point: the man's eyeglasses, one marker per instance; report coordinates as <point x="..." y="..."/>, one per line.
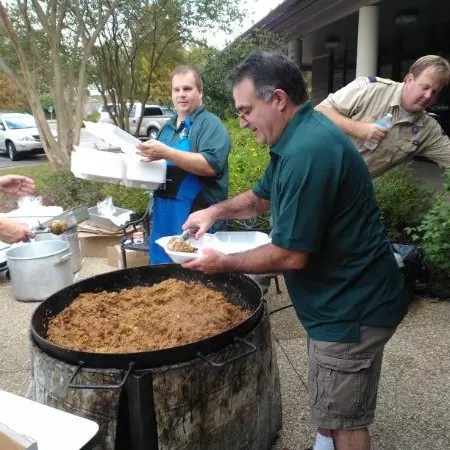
<point x="245" y="111"/>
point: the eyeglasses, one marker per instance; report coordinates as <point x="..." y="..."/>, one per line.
<point x="244" y="112"/>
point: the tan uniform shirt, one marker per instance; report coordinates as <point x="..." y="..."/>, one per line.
<point x="413" y="134"/>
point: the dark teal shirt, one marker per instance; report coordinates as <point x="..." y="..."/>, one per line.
<point x="209" y="137"/>
<point x="323" y="203"/>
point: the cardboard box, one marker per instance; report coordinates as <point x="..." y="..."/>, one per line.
<point x="134" y="258"/>
<point x="92" y="244"/>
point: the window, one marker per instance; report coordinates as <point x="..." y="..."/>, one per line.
<point x="152" y="111"/>
<point x="167" y="111"/>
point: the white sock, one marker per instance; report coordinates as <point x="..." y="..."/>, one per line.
<point x="323" y="442"/>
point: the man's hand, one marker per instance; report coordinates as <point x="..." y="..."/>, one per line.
<point x="16" y="185"/>
<point x="203" y="220"/>
<point x="210" y="261"/>
<point x="362" y="130"/>
<point x="372" y="132"/>
<point x="153" y="150"/>
<point x="12" y="231"/>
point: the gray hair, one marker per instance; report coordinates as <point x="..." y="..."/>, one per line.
<point x="270" y="71"/>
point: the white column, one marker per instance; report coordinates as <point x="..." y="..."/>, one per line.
<point x="367" y="51"/>
<point x="295" y="50"/>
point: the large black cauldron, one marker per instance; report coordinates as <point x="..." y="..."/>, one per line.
<point x="238" y="289"/>
<point x="199" y="395"/>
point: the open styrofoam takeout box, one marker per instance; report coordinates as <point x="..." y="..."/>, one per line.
<point x="224" y="241"/>
<point x="126" y="168"/>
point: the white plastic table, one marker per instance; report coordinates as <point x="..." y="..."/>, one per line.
<point x="51" y="428"/>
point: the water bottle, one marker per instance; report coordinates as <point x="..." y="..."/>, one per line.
<point x="385" y="122"/>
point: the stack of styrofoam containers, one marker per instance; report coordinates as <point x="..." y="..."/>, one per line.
<point x="126" y="168"/>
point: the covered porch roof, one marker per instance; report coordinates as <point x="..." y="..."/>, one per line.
<point x="297" y="18"/>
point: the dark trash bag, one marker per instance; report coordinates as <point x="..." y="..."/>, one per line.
<point x="415" y="270"/>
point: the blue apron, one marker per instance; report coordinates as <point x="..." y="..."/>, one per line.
<point x="181" y="196"/>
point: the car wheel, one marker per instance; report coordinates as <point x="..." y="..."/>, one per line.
<point x="12" y="152"/>
<point x="152" y="133"/>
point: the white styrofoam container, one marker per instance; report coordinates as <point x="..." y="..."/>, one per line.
<point x="97" y="165"/>
<point x="125" y="168"/>
<point x="138" y="172"/>
<point x="239" y="241"/>
<point x="224" y="241"/>
<point x="182" y="257"/>
<point x="113" y="135"/>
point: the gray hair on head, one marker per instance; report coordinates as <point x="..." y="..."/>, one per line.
<point x="270" y="71"/>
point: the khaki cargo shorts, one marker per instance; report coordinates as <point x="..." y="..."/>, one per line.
<point x="343" y="379"/>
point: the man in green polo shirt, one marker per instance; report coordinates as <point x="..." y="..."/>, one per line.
<point x="327" y="239"/>
<point x="195" y="144"/>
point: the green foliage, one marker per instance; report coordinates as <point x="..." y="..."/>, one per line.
<point x="93" y="117"/>
<point x="46" y="100"/>
<point x="433" y="234"/>
<point x="63" y="189"/>
<point x="247" y="159"/>
<point x="215" y="68"/>
<point x="403" y="202"/>
<point x="129" y="198"/>
<point x="60" y="187"/>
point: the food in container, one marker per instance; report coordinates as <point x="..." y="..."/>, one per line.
<point x="144" y="318"/>
<point x="177" y="244"/>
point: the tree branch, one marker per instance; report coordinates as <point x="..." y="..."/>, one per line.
<point x="10" y="74"/>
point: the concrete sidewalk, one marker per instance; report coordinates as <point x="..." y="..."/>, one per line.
<point x="414" y="398"/>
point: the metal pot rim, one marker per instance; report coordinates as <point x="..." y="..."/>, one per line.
<point x="64" y="248"/>
<point x="249" y="290"/>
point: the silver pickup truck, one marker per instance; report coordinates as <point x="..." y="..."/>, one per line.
<point x="155" y="117"/>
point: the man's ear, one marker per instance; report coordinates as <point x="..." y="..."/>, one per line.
<point x="281" y="99"/>
<point x="408" y="78"/>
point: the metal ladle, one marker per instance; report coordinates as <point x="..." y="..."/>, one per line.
<point x="188" y="233"/>
<point x="57" y="227"/>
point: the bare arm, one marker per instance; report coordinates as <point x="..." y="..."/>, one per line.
<point x="355" y="128"/>
<point x="265" y="259"/>
<point x="192" y="162"/>
<point x="243" y="206"/>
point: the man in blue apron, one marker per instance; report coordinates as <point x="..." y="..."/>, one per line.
<point x="195" y="145"/>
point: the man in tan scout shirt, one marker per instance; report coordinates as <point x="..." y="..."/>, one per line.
<point x="357" y="106"/>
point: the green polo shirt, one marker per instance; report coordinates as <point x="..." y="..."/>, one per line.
<point x="210" y="138"/>
<point x="323" y="203"/>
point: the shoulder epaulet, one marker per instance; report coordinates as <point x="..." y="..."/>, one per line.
<point x="374" y="79"/>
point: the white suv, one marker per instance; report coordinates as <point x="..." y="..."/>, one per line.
<point x="19" y="134"/>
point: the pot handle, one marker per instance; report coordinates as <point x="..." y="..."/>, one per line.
<point x="252" y="349"/>
<point x="63" y="259"/>
<point x="99" y="386"/>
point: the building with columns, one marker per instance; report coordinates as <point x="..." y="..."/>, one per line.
<point x="338" y="40"/>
